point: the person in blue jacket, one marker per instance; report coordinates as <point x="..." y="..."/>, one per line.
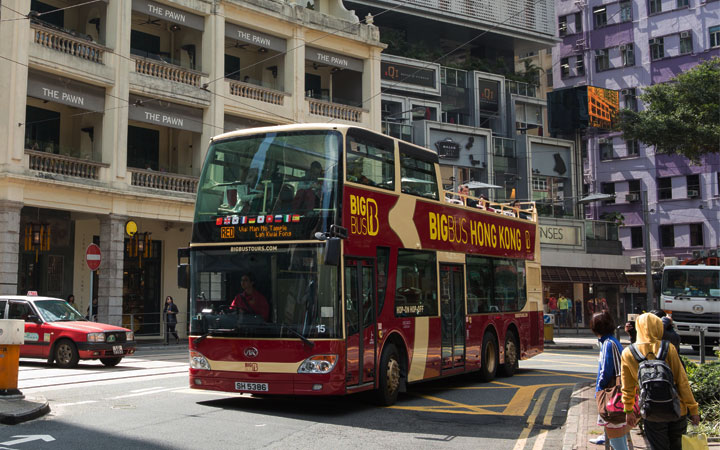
<point x="603" y="325"/>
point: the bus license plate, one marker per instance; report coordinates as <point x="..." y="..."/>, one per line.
<point x="255" y="387"/>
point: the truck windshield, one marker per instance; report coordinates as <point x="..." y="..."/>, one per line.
<point x="57" y="311"/>
<point x="266" y="291"/>
<point x="691" y="283"/>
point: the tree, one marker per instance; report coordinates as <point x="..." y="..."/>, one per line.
<point x="682" y="116"/>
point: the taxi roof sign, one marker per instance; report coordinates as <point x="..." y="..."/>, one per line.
<point x="32" y="293"/>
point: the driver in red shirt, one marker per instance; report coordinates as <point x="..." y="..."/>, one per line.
<point x="250" y="300"/>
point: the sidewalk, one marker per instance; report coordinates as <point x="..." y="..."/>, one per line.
<point x="581" y="338"/>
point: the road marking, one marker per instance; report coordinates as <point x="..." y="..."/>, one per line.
<point x="540" y="440"/>
<point x="29" y="438"/>
<point x="499" y="383"/>
<point x="146" y="392"/>
<point x="475" y="409"/>
<point x="148" y="389"/>
<point x="563" y="374"/>
<point x="76" y="403"/>
<point x="551" y="407"/>
<point x="522" y="440"/>
<point x="522" y="398"/>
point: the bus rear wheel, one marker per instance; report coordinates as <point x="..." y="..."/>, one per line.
<point x="389" y="382"/>
<point x="489" y="357"/>
<point x="512" y="355"/>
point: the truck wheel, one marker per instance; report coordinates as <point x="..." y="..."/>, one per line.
<point x="489" y="357"/>
<point x="389" y="381"/>
<point x="111" y="362"/>
<point x="66" y="354"/>
<point x="512" y="355"/>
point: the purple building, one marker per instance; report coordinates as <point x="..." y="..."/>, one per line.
<point x="626" y="46"/>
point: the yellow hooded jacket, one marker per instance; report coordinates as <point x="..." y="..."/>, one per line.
<point x="649" y="335"/>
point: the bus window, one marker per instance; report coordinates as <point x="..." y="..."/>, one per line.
<point x="370" y="160"/>
<point x="417" y="173"/>
<point x="495" y="285"/>
<point x="416" y="284"/>
<point x="480" y="285"/>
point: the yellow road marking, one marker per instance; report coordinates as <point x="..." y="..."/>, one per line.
<point x="561" y="374"/>
<point x="522" y="398"/>
<point x="499" y="383"/>
<point x="551" y="407"/>
<point x="522" y="440"/>
<point x="478" y="409"/>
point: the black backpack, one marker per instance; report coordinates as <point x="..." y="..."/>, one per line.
<point x="659" y="400"/>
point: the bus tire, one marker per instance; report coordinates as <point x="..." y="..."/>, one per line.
<point x="389" y="381"/>
<point x="512" y="355"/>
<point x="489" y="357"/>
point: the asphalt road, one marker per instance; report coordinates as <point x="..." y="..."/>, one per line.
<point x="145" y="403"/>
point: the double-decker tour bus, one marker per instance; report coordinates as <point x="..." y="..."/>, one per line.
<point x="690" y="293"/>
<point x="327" y="259"/>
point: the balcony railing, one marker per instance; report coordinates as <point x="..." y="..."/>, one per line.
<point x="524" y="89"/>
<point x="64" y="165"/>
<point x="256" y="92"/>
<point x="335" y="110"/>
<point x="66" y="43"/>
<point x="163" y="180"/>
<point x="167" y="71"/>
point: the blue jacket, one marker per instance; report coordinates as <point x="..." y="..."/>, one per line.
<point x="606" y="367"/>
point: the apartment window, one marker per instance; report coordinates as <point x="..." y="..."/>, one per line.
<point x="636" y="237"/>
<point x="664" y="188"/>
<point x="667" y="236"/>
<point x="633" y="148"/>
<point x="602" y="61"/>
<point x="600" y="16"/>
<point x="549" y="78"/>
<point x="627" y="53"/>
<point x="683" y="3"/>
<point x="714" y="36"/>
<point x="693" y="186"/>
<point x="625" y="11"/>
<point x="578" y="22"/>
<point x="655" y="6"/>
<point x="686" y="46"/>
<point x="580" y="64"/>
<point x="629" y="97"/>
<point x="696" y="235"/>
<point x="608" y="188"/>
<point x="564" y="68"/>
<point x="657" y="48"/>
<point x="562" y="26"/>
<point x="634" y="187"/>
<point x="606" y="149"/>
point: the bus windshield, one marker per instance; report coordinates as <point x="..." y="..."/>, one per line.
<point x="283" y="181"/>
<point x="692" y="283"/>
<point x="266" y="291"/>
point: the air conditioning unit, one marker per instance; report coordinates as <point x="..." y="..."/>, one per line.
<point x="637" y="260"/>
<point x="713" y="253"/>
<point x="633" y="197"/>
<point x="684" y="34"/>
<point x="656" y="265"/>
<point x="670" y="261"/>
<point x="653" y="41"/>
<point x="626" y="91"/>
<point x="693" y="193"/>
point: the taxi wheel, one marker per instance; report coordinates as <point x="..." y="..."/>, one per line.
<point x="111" y="362"/>
<point x="389" y="381"/>
<point x="512" y="355"/>
<point x="490" y="357"/>
<point x="66" y="354"/>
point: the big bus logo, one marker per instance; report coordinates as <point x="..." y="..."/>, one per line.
<point x="363" y="216"/>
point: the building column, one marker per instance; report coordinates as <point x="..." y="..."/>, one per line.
<point x="9" y="245"/>
<point x="110" y="279"/>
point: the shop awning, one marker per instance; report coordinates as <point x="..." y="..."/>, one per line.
<point x="578" y="275"/>
<point x="333" y="59"/>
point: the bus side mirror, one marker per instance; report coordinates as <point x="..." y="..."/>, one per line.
<point x="183" y="275"/>
<point x="332" y="251"/>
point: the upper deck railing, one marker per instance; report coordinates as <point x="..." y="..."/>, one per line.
<point x="522" y="210"/>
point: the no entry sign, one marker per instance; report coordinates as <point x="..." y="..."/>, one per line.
<point x="93" y="257"/>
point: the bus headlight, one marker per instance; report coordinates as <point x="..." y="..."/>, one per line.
<point x="198" y="361"/>
<point x="96" y="337"/>
<point x="318" y="364"/>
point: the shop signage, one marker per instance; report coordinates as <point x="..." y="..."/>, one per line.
<point x="488" y="92"/>
<point x="403" y="73"/>
<point x="159" y="112"/>
<point x="333" y="59"/>
<point x="69" y="92"/>
<point x="169" y="13"/>
<point x="254" y="37"/>
<point x="560" y="235"/>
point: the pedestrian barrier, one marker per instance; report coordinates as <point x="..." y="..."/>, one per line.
<point x="12" y="336"/>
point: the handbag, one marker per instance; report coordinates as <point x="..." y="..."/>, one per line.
<point x="609" y="400"/>
<point x="694" y="442"/>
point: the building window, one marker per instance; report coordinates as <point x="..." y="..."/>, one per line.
<point x="664" y="188"/>
<point x="580" y="65"/>
<point x="608" y="188"/>
<point x="657" y="48"/>
<point x="606" y="149"/>
<point x="714" y="36"/>
<point x="562" y="26"/>
<point x="564" y="68"/>
<point x="549" y="78"/>
<point x="627" y="52"/>
<point x="602" y="61"/>
<point x="686" y="46"/>
<point x="683" y="3"/>
<point x="693" y="186"/>
<point x="636" y="237"/>
<point x="634" y="188"/>
<point x="633" y="148"/>
<point x="629" y="97"/>
<point x="667" y="236"/>
<point x="655" y="6"/>
<point x="696" y="235"/>
<point x="539" y="184"/>
<point x="600" y="16"/>
<point x="578" y="22"/>
<point x="625" y="11"/>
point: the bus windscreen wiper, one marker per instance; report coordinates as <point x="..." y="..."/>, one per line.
<point x="296" y="334"/>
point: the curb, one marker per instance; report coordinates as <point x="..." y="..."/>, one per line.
<point x="13" y="412"/>
<point x="570" y="346"/>
<point x="572" y="423"/>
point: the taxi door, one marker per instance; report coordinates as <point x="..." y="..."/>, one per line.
<point x="35" y="344"/>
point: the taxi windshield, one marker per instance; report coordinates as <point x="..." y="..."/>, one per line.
<point x="57" y="311"/>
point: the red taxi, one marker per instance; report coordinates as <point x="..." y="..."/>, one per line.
<point x="56" y="331"/>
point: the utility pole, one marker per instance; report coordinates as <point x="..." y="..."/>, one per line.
<point x="648" y="269"/>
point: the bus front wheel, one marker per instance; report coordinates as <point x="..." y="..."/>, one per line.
<point x="389" y="382"/>
<point x="489" y="357"/>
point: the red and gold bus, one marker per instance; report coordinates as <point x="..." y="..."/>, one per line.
<point x="328" y="259"/>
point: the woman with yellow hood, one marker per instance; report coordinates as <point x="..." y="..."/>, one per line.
<point x="661" y="435"/>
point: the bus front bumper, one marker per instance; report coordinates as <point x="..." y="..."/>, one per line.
<point x="267" y="383"/>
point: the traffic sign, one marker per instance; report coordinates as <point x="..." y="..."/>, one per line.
<point x="549" y="319"/>
<point x="93" y="257"/>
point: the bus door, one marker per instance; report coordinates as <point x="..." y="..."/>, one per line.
<point x="452" y="311"/>
<point x="360" y="320"/>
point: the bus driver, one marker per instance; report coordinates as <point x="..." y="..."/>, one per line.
<point x="250" y="300"/>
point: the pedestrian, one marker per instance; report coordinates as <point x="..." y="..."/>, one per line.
<point x="92" y="310"/>
<point x="669" y="333"/>
<point x="170" y="310"/>
<point x="71" y="300"/>
<point x="563" y="306"/>
<point x="662" y="434"/>
<point x="552" y="305"/>
<point x="603" y="326"/>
